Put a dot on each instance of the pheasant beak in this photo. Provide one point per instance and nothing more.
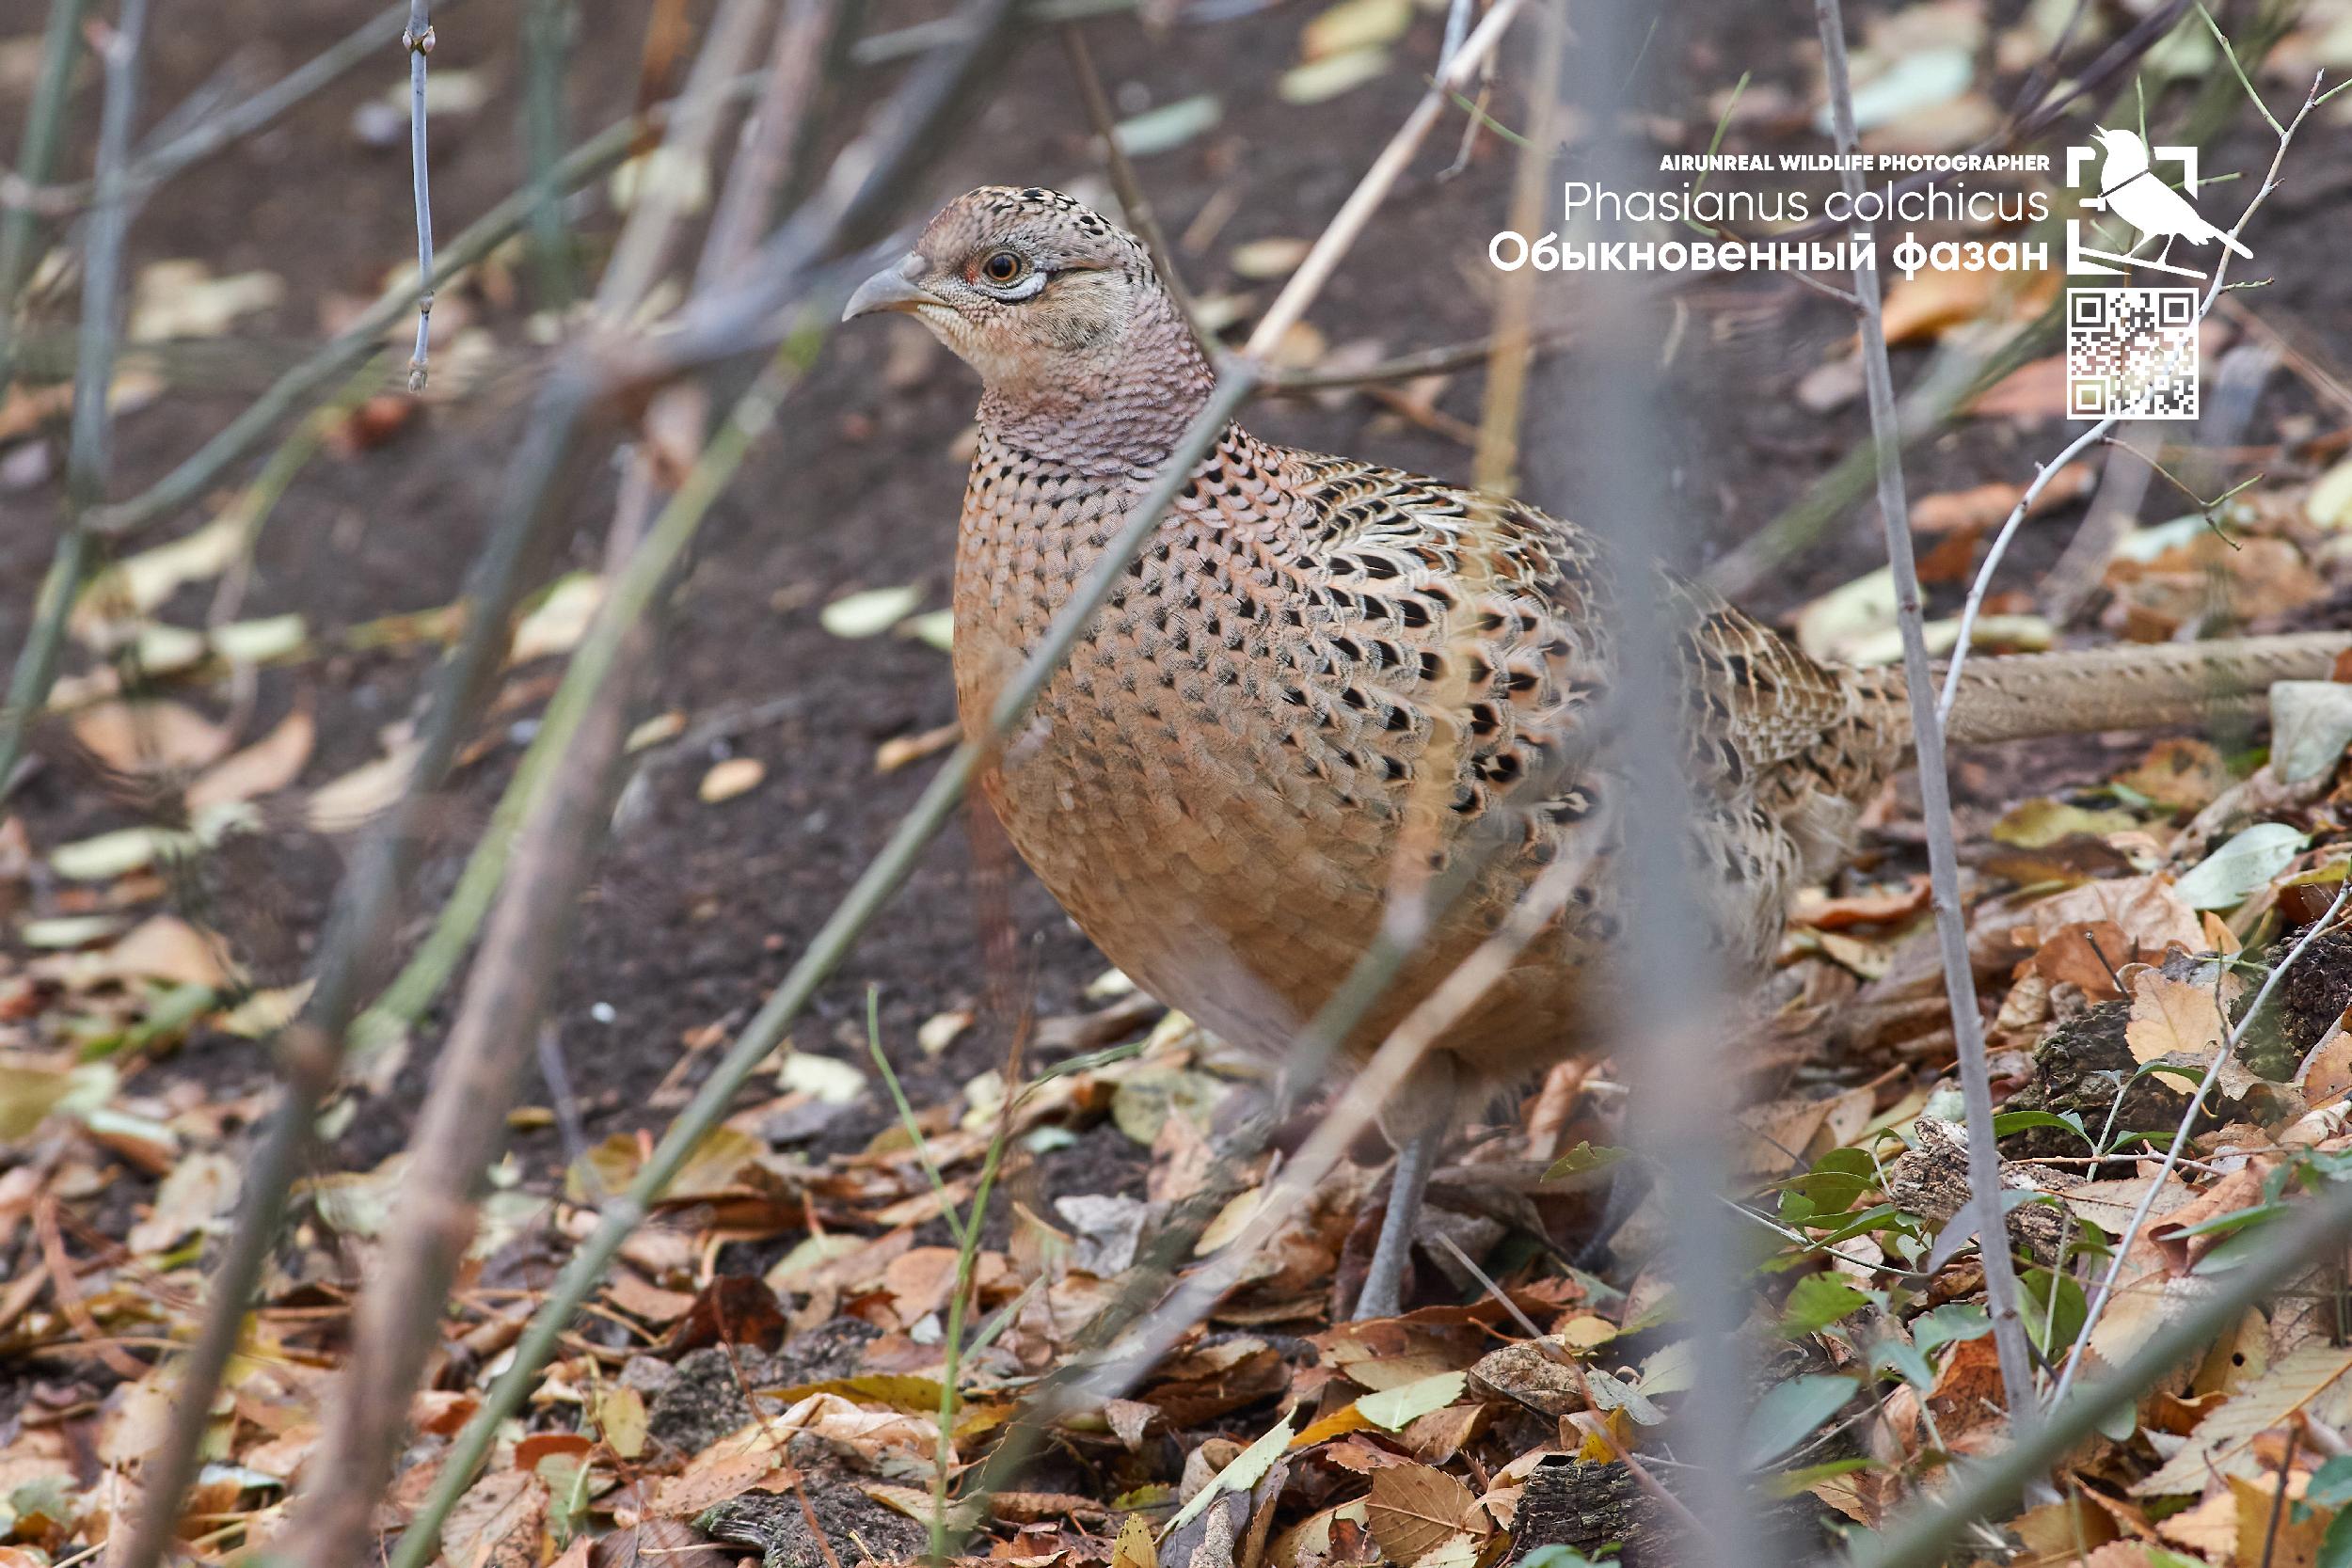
(893, 288)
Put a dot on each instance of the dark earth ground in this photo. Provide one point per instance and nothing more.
(699, 908)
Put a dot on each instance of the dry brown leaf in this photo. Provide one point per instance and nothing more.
(2086, 956)
(2147, 909)
(346, 802)
(2270, 1534)
(1988, 506)
(2317, 1378)
(2241, 1189)
(2173, 1018)
(498, 1521)
(2179, 773)
(270, 764)
(1414, 1509)
(149, 737)
(163, 947)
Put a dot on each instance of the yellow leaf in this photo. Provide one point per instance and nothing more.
(2171, 1016)
(1136, 1548)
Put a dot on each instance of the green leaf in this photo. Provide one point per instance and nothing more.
(1817, 1301)
(1247, 1468)
(2331, 1484)
(1790, 1412)
(1789, 1483)
(1564, 1557)
(1932, 1331)
(2006, 1122)
(1585, 1157)
(1393, 1408)
(1904, 1361)
(2231, 874)
(2335, 1548)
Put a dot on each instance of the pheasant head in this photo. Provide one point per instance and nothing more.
(1060, 312)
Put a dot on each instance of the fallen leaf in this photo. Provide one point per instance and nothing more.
(1169, 126)
(149, 737)
(1245, 1470)
(2173, 1018)
(2311, 724)
(1414, 1509)
(1135, 1547)
(1394, 1408)
(1354, 25)
(1320, 81)
(560, 619)
(727, 780)
(270, 764)
(2314, 1377)
(870, 612)
(180, 298)
(2228, 876)
(350, 801)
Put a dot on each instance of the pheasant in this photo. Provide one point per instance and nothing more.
(1313, 656)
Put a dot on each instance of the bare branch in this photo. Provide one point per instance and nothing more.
(417, 39)
(1960, 980)
(1132, 201)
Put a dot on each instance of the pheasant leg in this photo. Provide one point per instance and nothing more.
(1384, 1285)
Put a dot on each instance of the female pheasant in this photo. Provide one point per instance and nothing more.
(1315, 656)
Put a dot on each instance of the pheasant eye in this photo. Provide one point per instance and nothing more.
(1003, 266)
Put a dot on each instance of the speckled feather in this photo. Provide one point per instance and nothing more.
(1312, 652)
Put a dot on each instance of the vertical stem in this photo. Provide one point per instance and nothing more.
(93, 374)
(1935, 793)
(417, 41)
(35, 161)
(546, 45)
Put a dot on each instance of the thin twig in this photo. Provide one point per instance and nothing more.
(774, 136)
(1494, 462)
(1960, 981)
(170, 151)
(1665, 1006)
(1132, 201)
(546, 43)
(1341, 233)
(417, 39)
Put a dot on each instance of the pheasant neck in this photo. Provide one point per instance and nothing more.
(1120, 415)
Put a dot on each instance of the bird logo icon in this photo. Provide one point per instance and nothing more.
(2129, 187)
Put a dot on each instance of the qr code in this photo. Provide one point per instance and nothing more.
(2131, 354)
